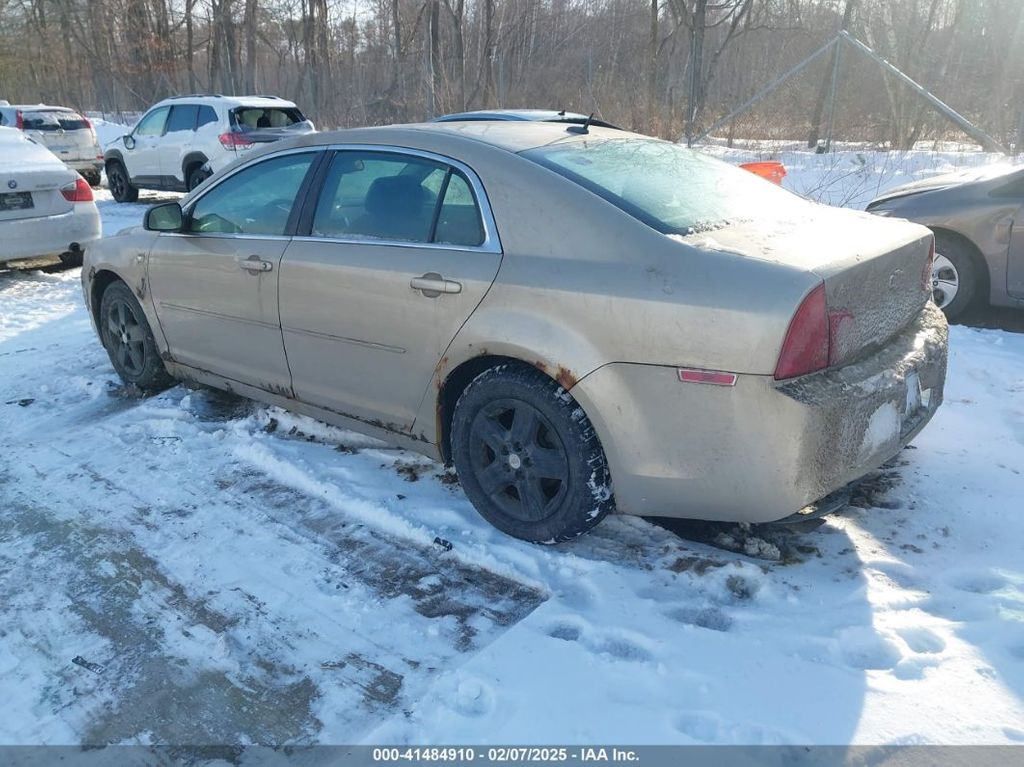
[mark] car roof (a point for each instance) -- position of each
(525, 115)
(38, 108)
(228, 101)
(512, 114)
(510, 135)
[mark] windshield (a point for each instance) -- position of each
(668, 187)
(53, 120)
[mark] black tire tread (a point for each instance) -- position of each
(154, 376)
(131, 192)
(590, 497)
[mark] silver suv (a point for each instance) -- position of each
(63, 131)
(181, 141)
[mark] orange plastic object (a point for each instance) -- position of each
(773, 171)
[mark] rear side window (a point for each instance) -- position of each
(459, 220)
(52, 120)
(394, 197)
(183, 118)
(672, 189)
(252, 118)
(256, 200)
(207, 115)
(153, 123)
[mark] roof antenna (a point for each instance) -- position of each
(584, 128)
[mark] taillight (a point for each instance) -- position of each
(806, 348)
(232, 140)
(926, 275)
(19, 120)
(77, 191)
(88, 124)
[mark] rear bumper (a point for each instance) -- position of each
(92, 166)
(49, 235)
(761, 450)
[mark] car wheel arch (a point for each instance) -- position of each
(454, 383)
(101, 280)
(113, 156)
(190, 162)
(981, 265)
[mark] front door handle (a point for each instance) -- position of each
(433, 284)
(255, 264)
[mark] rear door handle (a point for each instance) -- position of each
(433, 284)
(255, 264)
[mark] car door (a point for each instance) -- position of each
(176, 142)
(215, 283)
(393, 257)
(142, 147)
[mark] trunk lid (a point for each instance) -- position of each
(65, 133)
(873, 269)
(29, 169)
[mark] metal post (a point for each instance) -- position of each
(986, 141)
(832, 98)
(762, 94)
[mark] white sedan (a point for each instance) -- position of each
(46, 209)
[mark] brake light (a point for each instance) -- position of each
(19, 120)
(233, 140)
(77, 191)
(807, 344)
(926, 275)
(85, 119)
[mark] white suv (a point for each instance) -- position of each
(181, 141)
(63, 131)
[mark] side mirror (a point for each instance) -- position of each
(165, 217)
(129, 141)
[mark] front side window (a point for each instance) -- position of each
(183, 118)
(256, 200)
(395, 197)
(153, 123)
(672, 189)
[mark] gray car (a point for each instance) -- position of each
(581, 321)
(978, 220)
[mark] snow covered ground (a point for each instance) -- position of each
(195, 568)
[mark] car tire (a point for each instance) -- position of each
(71, 257)
(92, 177)
(196, 176)
(129, 341)
(959, 275)
(528, 457)
(119, 183)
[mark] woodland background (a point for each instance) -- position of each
(659, 66)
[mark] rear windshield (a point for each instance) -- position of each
(53, 120)
(668, 187)
(266, 117)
